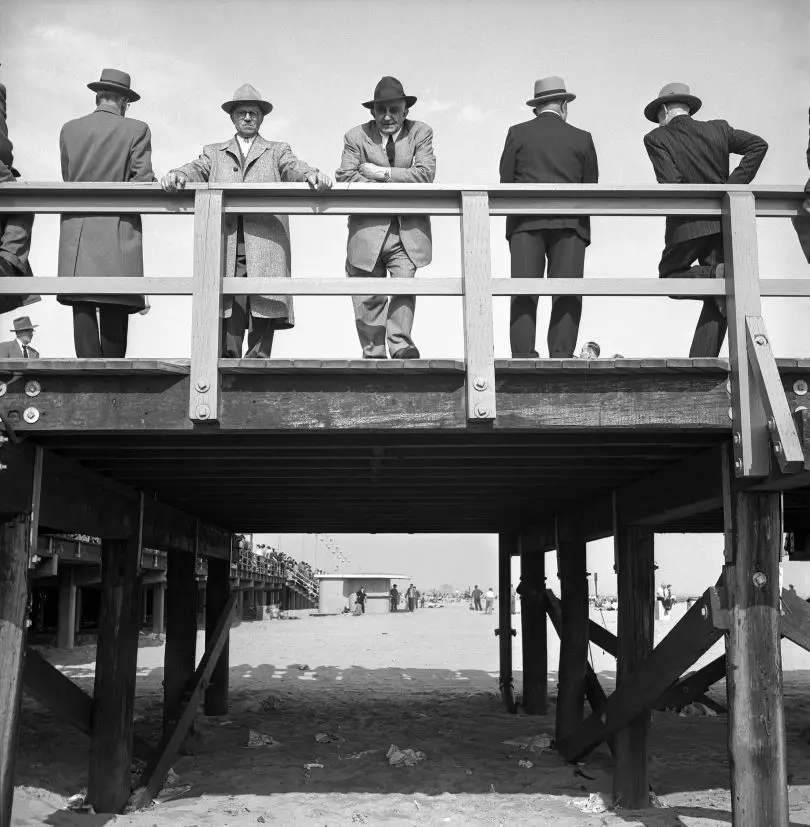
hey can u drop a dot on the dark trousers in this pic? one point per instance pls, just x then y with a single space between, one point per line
100 330
565 251
677 262
394 602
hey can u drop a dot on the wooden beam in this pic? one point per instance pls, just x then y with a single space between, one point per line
217 595
689 639
571 563
635 575
692 688
157 768
14 551
108 785
479 343
66 626
532 589
507 546
756 723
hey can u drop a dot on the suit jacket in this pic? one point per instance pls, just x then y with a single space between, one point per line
12 350
547 150
414 163
6 147
687 151
267 237
104 146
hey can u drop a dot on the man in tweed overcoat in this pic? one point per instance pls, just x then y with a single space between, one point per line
256 244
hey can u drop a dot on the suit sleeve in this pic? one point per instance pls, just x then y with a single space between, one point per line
140 158
199 169
349 172
290 168
5 174
666 170
64 157
508 159
423 168
752 148
590 173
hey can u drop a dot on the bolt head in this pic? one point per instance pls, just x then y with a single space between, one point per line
760 339
3 388
202 385
30 415
203 412
32 388
799 387
777 448
737 439
759 579
738 466
771 425
704 612
731 413
481 411
479 383
728 387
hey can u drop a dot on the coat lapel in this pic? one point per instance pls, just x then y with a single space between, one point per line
257 148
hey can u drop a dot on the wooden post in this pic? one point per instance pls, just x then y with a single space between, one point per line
507 544
66 627
108 786
78 613
479 336
14 537
532 590
158 607
756 718
216 695
206 341
180 658
571 563
634 555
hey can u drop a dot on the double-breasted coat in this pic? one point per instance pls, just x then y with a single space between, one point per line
267 237
104 146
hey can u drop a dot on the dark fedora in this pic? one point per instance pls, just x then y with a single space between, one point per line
672 93
22 323
550 89
247 94
387 90
114 80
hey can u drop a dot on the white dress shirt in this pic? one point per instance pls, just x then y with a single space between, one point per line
245 144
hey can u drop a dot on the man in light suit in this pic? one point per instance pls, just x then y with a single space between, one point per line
686 151
547 150
104 146
390 149
20 348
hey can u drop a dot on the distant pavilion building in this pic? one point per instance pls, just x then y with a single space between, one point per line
337 591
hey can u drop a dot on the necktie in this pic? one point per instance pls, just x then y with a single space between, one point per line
389 151
25 351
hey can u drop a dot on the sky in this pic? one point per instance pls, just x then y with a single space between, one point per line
472 66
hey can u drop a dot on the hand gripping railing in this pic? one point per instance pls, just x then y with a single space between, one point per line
761 416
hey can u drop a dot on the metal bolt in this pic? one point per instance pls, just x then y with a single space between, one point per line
771 425
704 612
777 447
3 467
738 466
759 579
3 388
479 383
32 388
737 438
799 387
731 413
760 339
203 412
30 415
481 411
201 385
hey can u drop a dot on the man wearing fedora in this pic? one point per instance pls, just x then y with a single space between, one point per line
20 347
256 244
388 149
15 229
104 146
686 151
547 150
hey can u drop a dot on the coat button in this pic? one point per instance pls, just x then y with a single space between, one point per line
236 169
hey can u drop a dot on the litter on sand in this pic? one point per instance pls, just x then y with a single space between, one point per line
596 803
527 764
533 743
76 803
329 738
697 709
404 757
313 766
351 756
259 739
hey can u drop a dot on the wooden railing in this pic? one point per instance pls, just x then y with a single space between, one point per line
761 416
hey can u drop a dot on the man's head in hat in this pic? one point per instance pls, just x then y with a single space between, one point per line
114 88
247 109
23 329
390 105
550 95
673 100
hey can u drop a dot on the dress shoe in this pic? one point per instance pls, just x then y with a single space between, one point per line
720 273
409 352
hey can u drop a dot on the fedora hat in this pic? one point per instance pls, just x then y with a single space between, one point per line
550 89
114 80
672 93
22 323
389 89
247 94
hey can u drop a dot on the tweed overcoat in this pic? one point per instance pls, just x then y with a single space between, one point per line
104 146
267 237
414 163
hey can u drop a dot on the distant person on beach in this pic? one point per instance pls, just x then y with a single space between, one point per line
394 598
490 601
410 597
360 599
476 596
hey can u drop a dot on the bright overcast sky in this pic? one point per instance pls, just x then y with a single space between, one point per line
472 65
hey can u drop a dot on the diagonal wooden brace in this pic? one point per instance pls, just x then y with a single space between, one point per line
795 621
785 438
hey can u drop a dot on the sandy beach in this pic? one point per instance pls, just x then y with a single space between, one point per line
425 681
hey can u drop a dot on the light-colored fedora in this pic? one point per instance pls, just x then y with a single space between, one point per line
550 89
114 80
247 94
672 93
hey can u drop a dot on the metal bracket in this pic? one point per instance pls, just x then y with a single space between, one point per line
720 616
512 632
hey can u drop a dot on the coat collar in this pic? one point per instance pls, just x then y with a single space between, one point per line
109 108
376 136
258 147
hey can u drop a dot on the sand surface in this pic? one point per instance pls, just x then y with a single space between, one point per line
425 681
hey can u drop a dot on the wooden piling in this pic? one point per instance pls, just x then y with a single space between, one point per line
634 553
109 780
158 607
180 659
218 591
13 600
571 563
533 629
66 625
756 722
507 546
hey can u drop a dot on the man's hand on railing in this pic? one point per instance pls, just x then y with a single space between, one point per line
173 181
319 182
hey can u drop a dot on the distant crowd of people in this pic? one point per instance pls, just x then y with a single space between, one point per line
106 146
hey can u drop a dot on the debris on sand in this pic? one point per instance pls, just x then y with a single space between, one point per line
527 764
329 738
271 703
533 743
697 709
259 739
313 766
76 804
351 756
597 803
404 757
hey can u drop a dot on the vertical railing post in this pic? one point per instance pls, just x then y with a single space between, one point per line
479 343
205 308
750 434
